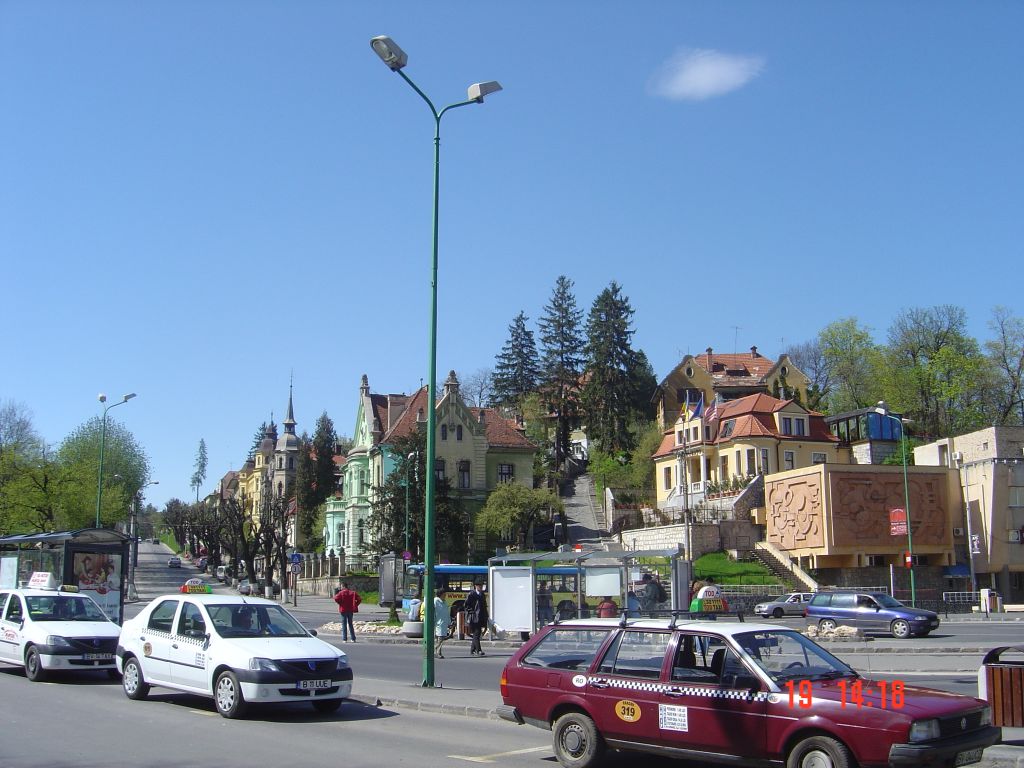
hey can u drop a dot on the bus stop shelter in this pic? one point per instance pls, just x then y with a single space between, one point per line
513 579
93 559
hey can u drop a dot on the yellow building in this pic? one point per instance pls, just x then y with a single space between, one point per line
712 376
719 448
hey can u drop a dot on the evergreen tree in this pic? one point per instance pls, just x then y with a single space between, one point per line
199 475
562 361
258 438
516 371
610 395
315 478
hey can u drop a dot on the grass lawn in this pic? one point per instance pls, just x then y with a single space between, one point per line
718 566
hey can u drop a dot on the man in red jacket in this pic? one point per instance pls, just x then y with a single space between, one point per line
348 601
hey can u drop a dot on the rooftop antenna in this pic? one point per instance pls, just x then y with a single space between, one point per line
735 336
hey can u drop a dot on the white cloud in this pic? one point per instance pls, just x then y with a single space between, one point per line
695 74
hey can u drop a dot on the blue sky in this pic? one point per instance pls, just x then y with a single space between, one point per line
201 198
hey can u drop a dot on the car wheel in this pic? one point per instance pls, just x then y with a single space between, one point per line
577 744
819 752
34 665
326 706
900 629
778 613
134 684
228 694
827 625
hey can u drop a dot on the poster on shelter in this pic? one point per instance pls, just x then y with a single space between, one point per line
98 575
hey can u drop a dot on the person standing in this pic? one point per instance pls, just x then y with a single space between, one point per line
348 601
476 616
607 609
442 622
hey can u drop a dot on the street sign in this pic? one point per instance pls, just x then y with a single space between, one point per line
296 558
296 568
407 555
897 522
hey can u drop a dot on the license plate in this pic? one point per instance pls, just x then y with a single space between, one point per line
312 685
99 656
968 757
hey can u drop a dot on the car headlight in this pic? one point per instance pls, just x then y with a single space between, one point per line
263 665
759 607
986 716
57 641
924 730
342 663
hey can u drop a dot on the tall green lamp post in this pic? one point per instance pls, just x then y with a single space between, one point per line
395 59
103 440
883 410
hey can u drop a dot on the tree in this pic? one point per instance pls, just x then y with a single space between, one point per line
1006 358
610 394
125 470
810 358
512 510
849 356
23 467
315 474
257 439
199 475
561 362
478 387
516 371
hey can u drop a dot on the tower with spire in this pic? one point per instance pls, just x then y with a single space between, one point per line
286 455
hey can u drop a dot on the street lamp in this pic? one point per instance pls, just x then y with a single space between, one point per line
395 59
883 410
103 440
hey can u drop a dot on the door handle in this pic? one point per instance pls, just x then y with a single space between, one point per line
675 693
174 645
599 684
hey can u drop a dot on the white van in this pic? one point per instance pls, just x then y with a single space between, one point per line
222 573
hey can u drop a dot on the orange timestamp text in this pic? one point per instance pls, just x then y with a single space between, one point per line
882 694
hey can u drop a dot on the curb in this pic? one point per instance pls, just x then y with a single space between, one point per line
480 713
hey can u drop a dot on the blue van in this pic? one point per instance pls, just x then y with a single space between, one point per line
872 612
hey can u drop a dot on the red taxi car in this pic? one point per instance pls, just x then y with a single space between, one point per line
754 694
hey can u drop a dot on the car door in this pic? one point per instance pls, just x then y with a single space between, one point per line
713 702
188 646
794 606
624 693
12 630
869 615
844 609
7 637
155 642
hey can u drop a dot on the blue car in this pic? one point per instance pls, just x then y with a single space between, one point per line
872 612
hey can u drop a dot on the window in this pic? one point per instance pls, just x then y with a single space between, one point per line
787 425
162 617
280 462
694 657
291 462
739 465
798 427
681 437
751 461
444 431
764 460
506 472
191 623
696 433
1016 496
362 532
789 459
728 427
439 469
636 654
463 474
668 477
819 458
14 612
707 434
566 649
723 469
458 432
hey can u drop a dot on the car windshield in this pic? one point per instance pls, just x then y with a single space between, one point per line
247 620
786 655
888 602
63 608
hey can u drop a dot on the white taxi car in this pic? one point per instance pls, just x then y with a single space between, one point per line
55 628
238 650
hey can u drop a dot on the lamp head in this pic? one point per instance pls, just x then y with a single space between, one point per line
102 398
882 408
477 91
129 396
389 52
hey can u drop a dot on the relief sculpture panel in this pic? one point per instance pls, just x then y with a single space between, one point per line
795 513
862 503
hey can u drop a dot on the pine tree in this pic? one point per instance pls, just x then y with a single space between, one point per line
516 371
614 371
561 361
200 467
315 480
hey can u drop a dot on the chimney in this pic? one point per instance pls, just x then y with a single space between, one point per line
709 365
753 352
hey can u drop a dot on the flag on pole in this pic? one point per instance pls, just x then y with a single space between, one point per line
699 408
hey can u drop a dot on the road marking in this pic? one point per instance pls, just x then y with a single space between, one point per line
202 712
494 757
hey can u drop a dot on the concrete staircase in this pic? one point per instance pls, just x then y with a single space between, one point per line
581 512
776 561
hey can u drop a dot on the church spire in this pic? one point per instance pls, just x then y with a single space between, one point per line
289 420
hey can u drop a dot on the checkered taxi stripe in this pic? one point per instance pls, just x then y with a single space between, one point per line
687 690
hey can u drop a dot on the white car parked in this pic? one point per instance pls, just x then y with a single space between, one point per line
55 629
238 650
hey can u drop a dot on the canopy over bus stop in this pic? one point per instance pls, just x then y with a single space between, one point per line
93 559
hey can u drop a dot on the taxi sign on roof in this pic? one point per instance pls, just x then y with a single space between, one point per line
200 588
42 580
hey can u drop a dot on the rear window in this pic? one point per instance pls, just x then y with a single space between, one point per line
844 601
821 600
566 649
637 654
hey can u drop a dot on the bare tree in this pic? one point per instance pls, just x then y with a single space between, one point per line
1006 354
810 358
478 387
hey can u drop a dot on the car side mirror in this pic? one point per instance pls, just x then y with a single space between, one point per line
312 632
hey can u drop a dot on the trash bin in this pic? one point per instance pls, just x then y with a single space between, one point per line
1001 683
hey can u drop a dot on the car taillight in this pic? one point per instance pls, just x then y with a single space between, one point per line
504 685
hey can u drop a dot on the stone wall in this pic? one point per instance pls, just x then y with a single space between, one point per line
706 537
